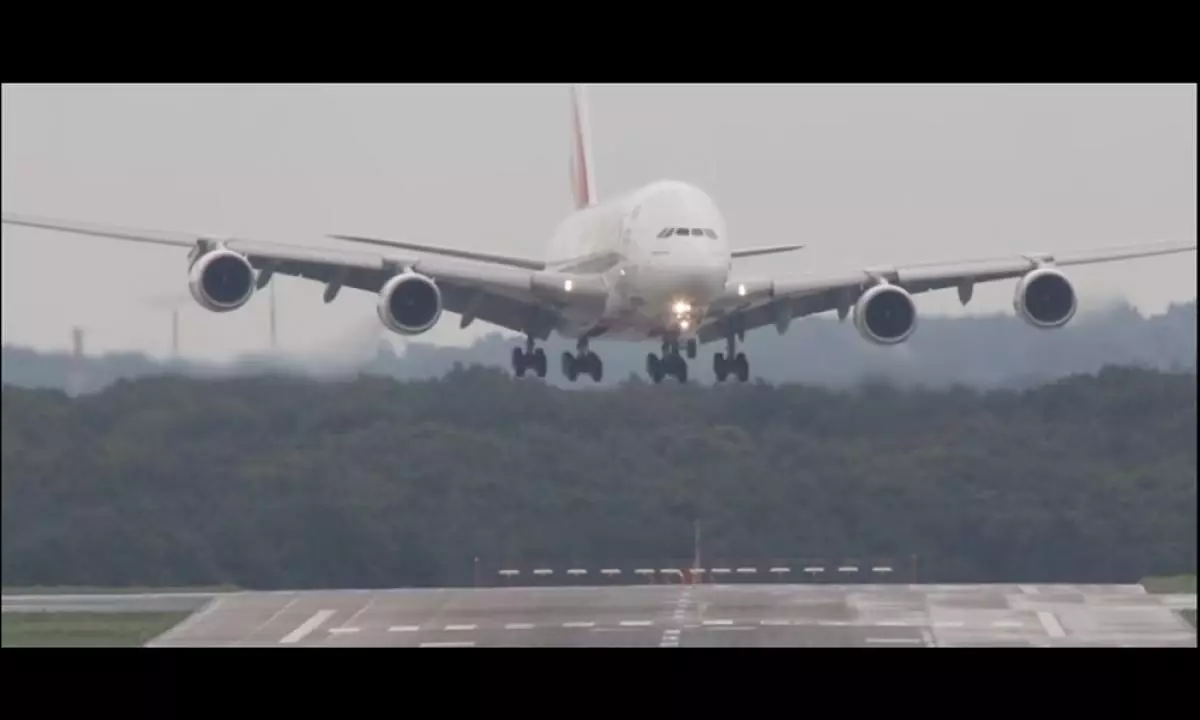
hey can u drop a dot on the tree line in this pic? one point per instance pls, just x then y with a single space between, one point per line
277 481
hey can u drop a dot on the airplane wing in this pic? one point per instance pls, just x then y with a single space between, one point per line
515 297
750 303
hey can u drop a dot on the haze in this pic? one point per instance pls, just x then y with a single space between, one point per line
864 175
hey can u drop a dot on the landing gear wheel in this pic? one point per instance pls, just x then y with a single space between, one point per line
720 367
518 362
569 366
539 362
741 367
681 368
594 366
654 368
691 349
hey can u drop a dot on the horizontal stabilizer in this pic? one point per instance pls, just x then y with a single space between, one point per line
769 250
510 260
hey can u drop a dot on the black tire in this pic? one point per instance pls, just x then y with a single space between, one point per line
518 362
570 368
595 367
742 367
691 349
654 368
720 367
539 362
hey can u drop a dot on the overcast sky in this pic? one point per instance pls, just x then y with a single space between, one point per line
862 174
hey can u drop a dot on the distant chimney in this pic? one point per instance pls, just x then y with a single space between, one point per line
76 374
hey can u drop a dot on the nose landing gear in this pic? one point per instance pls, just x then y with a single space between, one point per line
672 363
584 361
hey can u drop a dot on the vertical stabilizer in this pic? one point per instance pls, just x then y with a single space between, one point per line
583 181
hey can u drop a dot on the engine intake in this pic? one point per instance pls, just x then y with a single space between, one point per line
222 281
1044 298
410 304
885 315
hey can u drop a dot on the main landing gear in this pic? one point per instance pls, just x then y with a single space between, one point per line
672 363
726 363
584 361
529 359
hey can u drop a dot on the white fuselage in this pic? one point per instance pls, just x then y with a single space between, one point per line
659 282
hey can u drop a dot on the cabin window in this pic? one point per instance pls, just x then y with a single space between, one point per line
665 232
710 233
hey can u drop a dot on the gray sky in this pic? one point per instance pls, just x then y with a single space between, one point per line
863 174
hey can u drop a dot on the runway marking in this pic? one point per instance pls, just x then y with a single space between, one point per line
543 571
578 624
734 627
611 571
814 569
460 627
636 623
577 571
775 622
895 641
404 628
747 570
848 569
309 625
928 638
1050 624
780 569
1008 623
519 626
274 615
892 623
881 569
465 643
346 626
718 622
342 630
720 570
833 623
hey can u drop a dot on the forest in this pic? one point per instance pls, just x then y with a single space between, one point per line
277 481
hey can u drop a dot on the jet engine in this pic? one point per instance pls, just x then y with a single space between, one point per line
222 280
409 303
1044 298
885 314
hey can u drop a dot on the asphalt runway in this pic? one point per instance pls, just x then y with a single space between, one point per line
668 616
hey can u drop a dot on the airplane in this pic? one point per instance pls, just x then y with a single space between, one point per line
654 263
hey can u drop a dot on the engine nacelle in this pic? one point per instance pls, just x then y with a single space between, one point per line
1044 298
885 315
409 303
222 281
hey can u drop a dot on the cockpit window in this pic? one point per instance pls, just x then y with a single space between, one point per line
693 232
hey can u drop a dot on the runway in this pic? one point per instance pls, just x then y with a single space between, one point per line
770 615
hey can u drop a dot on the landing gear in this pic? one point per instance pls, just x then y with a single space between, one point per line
584 361
727 362
529 359
672 363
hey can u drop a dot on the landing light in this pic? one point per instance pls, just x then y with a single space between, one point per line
568 285
683 307
683 324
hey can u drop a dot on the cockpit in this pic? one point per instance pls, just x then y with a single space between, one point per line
694 232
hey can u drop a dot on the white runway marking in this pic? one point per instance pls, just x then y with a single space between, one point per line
465 643
519 626
578 624
404 628
309 625
460 627
636 623
833 623
342 630
718 622
776 622
895 641
1050 624
893 623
